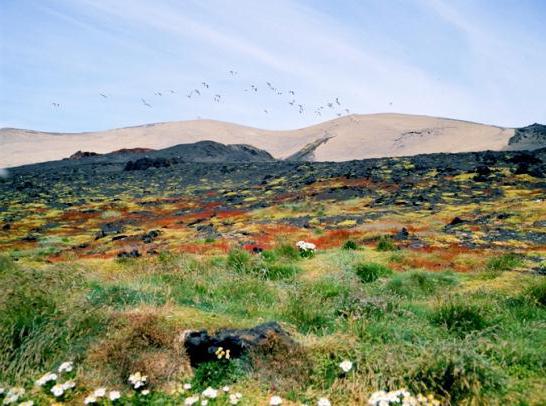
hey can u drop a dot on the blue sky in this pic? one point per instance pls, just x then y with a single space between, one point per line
483 61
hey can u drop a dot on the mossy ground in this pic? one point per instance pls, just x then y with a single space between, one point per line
456 310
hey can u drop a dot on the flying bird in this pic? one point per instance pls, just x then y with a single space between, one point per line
217 98
172 91
189 94
266 112
233 73
103 95
301 108
55 104
197 91
292 102
347 111
158 93
291 92
337 101
330 105
254 88
205 85
145 103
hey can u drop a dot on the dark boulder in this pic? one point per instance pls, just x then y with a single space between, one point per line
150 236
456 221
201 347
402 234
129 254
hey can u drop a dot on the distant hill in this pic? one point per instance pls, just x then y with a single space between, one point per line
202 151
342 139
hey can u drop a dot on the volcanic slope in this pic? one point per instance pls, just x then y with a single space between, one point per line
345 138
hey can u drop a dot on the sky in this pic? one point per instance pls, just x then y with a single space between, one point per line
481 61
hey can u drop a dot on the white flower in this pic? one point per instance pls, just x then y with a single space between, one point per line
234 398
306 246
69 384
187 386
89 400
323 402
210 393
225 388
27 403
191 400
66 367
138 380
57 390
145 392
2 390
46 378
13 395
346 366
114 395
204 402
275 401
99 393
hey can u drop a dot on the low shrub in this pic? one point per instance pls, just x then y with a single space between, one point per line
370 272
537 293
458 317
218 373
350 245
420 283
457 373
385 244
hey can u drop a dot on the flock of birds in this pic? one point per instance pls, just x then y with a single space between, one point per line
334 106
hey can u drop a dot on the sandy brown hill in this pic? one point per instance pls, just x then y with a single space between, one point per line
346 138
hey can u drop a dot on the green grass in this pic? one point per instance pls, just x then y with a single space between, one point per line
425 331
370 272
414 284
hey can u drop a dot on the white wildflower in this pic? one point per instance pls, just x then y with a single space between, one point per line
99 393
323 402
306 246
57 390
71 384
225 388
145 392
2 390
233 399
66 367
49 377
187 386
137 380
27 403
13 395
191 400
346 366
275 401
89 400
204 402
114 395
210 393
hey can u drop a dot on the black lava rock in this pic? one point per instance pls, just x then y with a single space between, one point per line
201 347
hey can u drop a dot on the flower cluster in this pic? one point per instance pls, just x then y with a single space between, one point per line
211 394
137 380
12 395
401 397
307 249
221 353
51 380
346 366
99 394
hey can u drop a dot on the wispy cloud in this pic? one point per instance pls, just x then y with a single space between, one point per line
133 48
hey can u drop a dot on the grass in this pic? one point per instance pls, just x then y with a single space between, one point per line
370 272
422 330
